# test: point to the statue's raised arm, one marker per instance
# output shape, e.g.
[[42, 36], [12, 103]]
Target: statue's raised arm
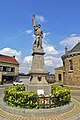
[[34, 21]]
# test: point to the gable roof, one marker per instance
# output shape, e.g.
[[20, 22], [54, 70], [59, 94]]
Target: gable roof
[[8, 59], [76, 48], [74, 51]]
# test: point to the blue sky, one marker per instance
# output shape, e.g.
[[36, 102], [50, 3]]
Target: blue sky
[[60, 22]]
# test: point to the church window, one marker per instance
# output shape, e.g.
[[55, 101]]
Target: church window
[[59, 77], [70, 65]]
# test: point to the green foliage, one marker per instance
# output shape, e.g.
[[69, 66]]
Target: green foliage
[[20, 87], [61, 95], [16, 96]]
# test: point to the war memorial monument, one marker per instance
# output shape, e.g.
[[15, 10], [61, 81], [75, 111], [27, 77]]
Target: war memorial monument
[[38, 71]]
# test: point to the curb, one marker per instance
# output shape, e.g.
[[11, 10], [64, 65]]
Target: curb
[[20, 111]]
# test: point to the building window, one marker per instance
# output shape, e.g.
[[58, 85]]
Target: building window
[[8, 69], [1, 68], [70, 65], [64, 65], [13, 69], [59, 77], [4, 68]]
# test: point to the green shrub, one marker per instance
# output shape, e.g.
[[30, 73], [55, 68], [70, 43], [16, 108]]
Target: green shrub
[[20, 87], [61, 95], [15, 96]]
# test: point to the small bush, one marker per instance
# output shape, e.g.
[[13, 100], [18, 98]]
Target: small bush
[[61, 95], [16, 96]]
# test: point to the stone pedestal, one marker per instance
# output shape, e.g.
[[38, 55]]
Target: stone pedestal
[[38, 73], [36, 87]]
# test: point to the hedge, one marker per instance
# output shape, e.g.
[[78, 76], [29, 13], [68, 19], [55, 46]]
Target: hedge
[[18, 97], [61, 95]]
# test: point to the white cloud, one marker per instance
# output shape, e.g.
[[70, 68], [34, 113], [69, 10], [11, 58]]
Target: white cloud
[[11, 52], [28, 31], [53, 61], [49, 49], [39, 18], [45, 34], [25, 66], [72, 35], [27, 59], [71, 40]]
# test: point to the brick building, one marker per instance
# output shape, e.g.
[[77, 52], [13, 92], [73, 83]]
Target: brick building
[[9, 69], [71, 66]]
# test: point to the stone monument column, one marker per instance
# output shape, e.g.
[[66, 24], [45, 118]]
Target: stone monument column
[[38, 72]]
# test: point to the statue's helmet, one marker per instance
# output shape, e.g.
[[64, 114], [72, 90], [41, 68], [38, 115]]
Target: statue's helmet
[[34, 15], [39, 25]]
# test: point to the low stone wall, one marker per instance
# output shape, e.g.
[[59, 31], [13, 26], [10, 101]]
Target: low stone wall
[[73, 87], [20, 111], [2, 87]]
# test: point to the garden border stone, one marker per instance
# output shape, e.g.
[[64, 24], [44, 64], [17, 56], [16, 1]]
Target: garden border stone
[[20, 111]]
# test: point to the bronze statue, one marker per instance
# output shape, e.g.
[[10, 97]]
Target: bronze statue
[[38, 34]]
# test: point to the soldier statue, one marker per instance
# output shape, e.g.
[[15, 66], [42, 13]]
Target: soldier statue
[[38, 34]]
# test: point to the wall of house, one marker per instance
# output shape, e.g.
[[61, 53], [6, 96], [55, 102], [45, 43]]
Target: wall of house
[[57, 72], [11, 65], [9, 73], [72, 77]]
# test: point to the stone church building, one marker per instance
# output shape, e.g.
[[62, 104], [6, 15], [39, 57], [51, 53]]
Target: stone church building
[[9, 69], [69, 74]]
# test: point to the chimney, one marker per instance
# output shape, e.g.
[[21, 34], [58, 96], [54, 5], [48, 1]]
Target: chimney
[[66, 50], [14, 57]]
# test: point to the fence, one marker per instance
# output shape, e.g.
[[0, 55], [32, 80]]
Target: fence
[[46, 102]]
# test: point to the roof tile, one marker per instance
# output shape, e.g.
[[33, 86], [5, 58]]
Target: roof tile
[[8, 59]]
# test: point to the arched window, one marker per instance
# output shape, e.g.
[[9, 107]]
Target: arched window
[[63, 65], [70, 65]]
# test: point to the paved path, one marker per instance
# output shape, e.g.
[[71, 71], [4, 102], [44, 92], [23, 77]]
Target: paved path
[[73, 114], [2, 118]]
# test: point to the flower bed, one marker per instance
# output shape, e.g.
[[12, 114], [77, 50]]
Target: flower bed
[[18, 97]]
